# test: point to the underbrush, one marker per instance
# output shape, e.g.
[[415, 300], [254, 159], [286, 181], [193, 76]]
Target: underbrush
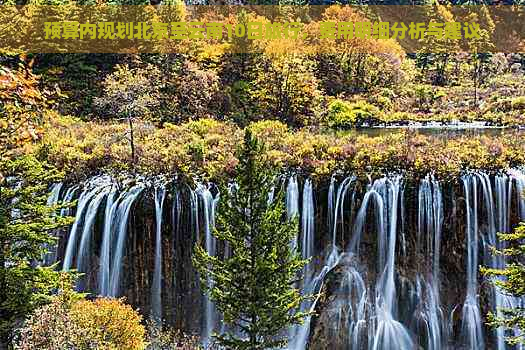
[[206, 149]]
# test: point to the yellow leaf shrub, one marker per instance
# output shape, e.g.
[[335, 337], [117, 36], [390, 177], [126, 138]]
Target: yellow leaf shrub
[[102, 324], [111, 324]]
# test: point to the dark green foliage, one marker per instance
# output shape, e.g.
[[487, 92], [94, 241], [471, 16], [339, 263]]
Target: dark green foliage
[[254, 287], [511, 280], [25, 225]]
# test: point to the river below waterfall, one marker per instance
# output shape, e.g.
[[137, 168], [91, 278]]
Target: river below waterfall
[[396, 257]]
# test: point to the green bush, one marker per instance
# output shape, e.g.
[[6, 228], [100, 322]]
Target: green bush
[[383, 102], [346, 115], [518, 103], [169, 338], [426, 96], [507, 104]]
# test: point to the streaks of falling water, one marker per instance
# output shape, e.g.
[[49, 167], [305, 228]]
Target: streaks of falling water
[[107, 239], [84, 249], [299, 337], [307, 252], [430, 222], [389, 333], [472, 331], [50, 249], [338, 215], [121, 221], [83, 201], [519, 178], [54, 195], [68, 197], [292, 197], [209, 207], [498, 204], [370, 322], [156, 289], [292, 202], [307, 229], [176, 224]]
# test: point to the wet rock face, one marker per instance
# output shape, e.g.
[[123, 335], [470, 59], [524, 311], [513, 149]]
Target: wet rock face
[[322, 333]]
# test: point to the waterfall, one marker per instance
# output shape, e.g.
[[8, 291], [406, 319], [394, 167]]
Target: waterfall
[[430, 222], [156, 289], [307, 229], [330, 201], [292, 197], [176, 224], [499, 203], [121, 221], [389, 333], [107, 239], [72, 243], [209, 206], [338, 209], [84, 249], [472, 329], [292, 203], [68, 197], [307, 252], [388, 261], [50, 249], [519, 178]]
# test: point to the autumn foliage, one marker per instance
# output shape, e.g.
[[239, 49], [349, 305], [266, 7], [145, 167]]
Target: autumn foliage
[[22, 109], [102, 324]]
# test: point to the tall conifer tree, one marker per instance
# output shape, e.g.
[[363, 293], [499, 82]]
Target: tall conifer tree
[[253, 287]]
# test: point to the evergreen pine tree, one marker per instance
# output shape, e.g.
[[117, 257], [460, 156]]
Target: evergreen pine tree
[[253, 287], [25, 225], [510, 280], [25, 219]]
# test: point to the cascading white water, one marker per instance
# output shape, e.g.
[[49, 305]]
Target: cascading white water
[[308, 229], [389, 333], [498, 208], [337, 214], [298, 336], [85, 198], [519, 178], [292, 202], [54, 197], [84, 249], [68, 197], [209, 206], [121, 222], [292, 197], [156, 288], [107, 239], [367, 308], [430, 222], [472, 329], [307, 252]]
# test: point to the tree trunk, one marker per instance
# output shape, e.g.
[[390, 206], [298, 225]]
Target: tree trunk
[[476, 72], [3, 283], [3, 295], [132, 142]]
